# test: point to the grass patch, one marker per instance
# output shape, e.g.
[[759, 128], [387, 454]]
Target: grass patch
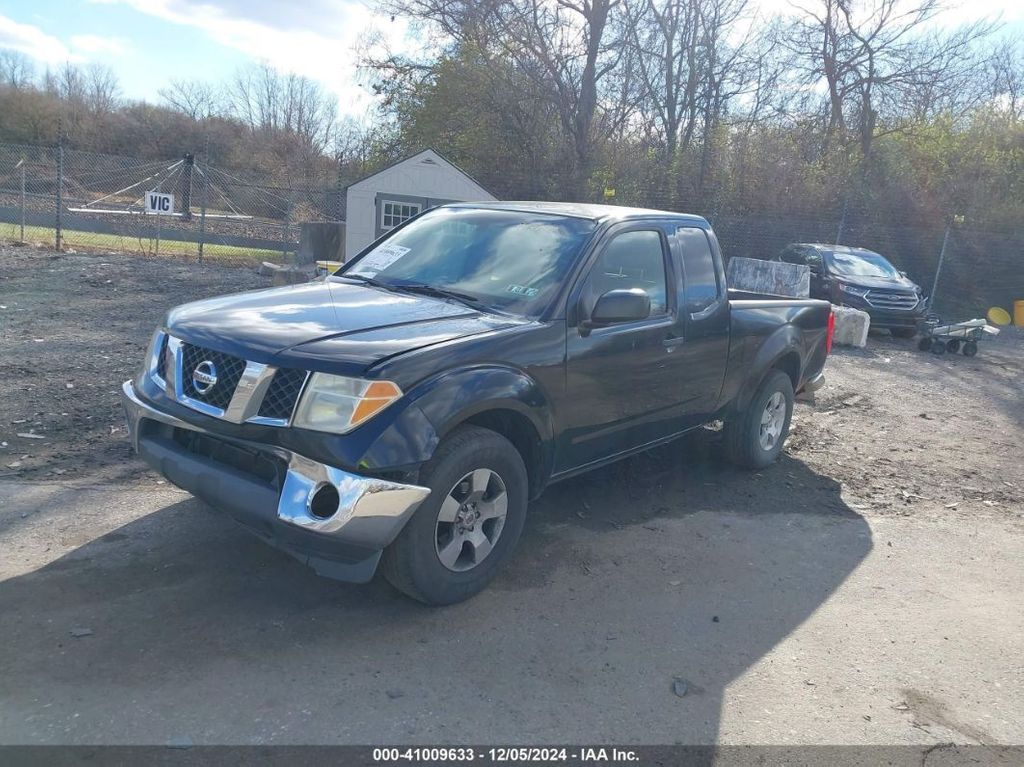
[[126, 244]]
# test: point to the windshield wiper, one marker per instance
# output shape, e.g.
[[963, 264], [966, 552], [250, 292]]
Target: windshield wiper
[[364, 278], [432, 290]]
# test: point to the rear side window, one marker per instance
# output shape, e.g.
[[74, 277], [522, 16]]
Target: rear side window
[[702, 287]]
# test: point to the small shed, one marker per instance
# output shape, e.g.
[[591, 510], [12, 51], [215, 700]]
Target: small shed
[[380, 202]]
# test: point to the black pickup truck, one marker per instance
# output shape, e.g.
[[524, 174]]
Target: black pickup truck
[[404, 410]]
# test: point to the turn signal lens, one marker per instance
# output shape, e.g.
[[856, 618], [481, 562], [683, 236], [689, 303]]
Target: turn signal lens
[[378, 396]]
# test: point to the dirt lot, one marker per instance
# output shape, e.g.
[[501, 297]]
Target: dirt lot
[[72, 329], [866, 589]]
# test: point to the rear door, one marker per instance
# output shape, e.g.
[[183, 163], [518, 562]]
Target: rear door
[[705, 310]]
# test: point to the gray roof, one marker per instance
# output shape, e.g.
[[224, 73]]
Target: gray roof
[[583, 210]]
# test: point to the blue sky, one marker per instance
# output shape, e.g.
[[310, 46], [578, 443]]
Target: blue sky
[[150, 42]]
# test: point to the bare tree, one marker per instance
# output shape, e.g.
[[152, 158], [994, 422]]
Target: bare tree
[[267, 100], [16, 70], [102, 89], [1005, 75], [567, 47], [197, 99], [871, 54]]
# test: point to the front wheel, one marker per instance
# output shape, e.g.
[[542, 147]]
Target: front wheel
[[458, 538], [754, 438]]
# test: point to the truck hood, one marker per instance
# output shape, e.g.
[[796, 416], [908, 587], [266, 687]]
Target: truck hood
[[326, 325]]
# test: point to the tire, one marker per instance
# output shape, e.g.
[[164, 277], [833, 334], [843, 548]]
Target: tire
[[743, 432], [925, 344], [904, 332], [970, 348], [413, 562], [953, 346], [938, 347]]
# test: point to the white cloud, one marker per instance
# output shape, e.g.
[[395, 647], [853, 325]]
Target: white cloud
[[33, 42], [97, 44], [315, 39]]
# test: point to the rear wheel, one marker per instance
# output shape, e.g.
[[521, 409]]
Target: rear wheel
[[953, 346], [938, 347], [754, 438], [457, 539]]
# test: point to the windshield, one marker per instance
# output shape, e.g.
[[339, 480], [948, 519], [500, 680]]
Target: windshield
[[864, 264], [511, 261]]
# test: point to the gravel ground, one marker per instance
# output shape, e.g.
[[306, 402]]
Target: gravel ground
[[865, 589]]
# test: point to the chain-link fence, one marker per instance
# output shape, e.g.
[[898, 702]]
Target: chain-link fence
[[82, 200]]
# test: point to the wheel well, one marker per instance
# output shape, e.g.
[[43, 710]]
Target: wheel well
[[520, 431], [789, 364]]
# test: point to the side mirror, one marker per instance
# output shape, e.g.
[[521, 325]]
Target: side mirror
[[620, 305]]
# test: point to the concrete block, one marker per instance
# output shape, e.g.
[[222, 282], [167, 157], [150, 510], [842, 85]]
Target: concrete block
[[852, 326], [770, 278], [291, 275]]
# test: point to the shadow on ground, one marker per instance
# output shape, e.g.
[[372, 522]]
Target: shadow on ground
[[636, 596]]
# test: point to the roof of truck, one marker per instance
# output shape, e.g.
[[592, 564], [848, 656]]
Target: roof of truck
[[583, 210]]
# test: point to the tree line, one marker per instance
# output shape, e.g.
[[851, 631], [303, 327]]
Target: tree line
[[875, 107], [708, 106]]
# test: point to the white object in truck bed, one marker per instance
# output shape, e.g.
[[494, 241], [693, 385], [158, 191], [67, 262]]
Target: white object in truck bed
[[772, 278]]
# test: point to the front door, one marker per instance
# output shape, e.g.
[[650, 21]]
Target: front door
[[622, 381]]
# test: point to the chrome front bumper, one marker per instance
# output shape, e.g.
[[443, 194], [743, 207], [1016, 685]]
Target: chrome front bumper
[[368, 514]]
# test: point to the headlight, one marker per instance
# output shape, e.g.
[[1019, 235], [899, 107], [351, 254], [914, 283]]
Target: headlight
[[859, 292], [338, 404]]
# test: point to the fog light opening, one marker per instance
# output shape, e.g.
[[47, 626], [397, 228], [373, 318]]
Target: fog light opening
[[324, 503]]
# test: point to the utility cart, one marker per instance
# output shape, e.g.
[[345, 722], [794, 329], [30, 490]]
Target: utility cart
[[939, 338]]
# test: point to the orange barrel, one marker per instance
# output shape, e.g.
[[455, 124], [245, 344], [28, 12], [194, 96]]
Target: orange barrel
[[1018, 313]]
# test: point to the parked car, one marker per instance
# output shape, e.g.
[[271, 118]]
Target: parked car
[[864, 280], [404, 410]]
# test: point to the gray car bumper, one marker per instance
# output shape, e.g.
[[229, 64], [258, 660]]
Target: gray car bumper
[[335, 521]]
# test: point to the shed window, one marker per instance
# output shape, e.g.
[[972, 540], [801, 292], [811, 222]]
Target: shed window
[[394, 213]]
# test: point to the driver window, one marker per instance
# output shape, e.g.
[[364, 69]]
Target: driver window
[[630, 260]]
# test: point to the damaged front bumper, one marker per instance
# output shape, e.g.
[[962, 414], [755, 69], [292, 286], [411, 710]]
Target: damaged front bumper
[[333, 520]]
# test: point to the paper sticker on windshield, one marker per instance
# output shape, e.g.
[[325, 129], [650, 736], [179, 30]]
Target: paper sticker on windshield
[[381, 258], [522, 290]]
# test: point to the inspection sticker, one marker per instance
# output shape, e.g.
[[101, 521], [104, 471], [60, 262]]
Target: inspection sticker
[[522, 290], [381, 258]]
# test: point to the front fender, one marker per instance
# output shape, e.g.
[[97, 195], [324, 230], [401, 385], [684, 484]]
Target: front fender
[[438, 405]]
